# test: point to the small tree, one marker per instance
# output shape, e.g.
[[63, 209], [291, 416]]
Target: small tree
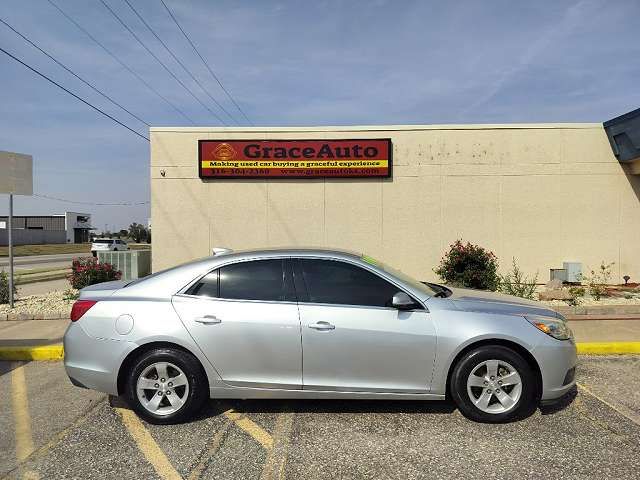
[[470, 266], [517, 283], [4, 287], [138, 232]]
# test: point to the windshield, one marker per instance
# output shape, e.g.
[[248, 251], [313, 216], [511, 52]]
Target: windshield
[[428, 288]]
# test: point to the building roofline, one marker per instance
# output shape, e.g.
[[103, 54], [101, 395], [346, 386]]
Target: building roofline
[[378, 128], [622, 118]]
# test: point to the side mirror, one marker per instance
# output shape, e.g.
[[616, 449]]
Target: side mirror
[[402, 301]]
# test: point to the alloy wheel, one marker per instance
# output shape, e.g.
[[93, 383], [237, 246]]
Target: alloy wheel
[[162, 388], [494, 386]]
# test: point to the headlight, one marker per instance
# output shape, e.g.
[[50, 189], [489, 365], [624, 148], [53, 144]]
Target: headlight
[[551, 326]]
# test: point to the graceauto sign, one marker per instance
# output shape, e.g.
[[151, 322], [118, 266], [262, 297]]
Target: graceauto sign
[[294, 158]]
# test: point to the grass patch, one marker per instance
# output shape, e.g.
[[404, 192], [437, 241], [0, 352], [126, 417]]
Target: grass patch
[[57, 248]]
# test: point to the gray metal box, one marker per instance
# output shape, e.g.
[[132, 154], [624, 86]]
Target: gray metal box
[[132, 263], [574, 271], [558, 274]]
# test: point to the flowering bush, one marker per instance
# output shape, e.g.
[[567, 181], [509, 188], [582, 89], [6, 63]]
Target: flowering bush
[[88, 271], [468, 265]]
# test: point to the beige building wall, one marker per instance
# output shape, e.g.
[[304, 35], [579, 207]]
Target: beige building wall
[[542, 193]]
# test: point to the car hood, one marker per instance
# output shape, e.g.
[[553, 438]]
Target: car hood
[[492, 302]]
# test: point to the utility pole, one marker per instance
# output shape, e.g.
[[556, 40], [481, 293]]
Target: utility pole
[[10, 238]]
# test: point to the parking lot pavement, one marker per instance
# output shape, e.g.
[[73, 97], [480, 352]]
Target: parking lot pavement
[[51, 429]]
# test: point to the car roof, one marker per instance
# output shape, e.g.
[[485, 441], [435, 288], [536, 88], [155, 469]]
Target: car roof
[[290, 252], [166, 281]]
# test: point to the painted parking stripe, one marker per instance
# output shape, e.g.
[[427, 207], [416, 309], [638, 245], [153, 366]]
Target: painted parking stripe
[[256, 431], [147, 445], [22, 419], [277, 458], [211, 450], [625, 412]]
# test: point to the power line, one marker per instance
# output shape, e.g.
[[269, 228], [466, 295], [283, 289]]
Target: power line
[[180, 62], [72, 94], [123, 204], [160, 62], [206, 64], [124, 65], [73, 73]]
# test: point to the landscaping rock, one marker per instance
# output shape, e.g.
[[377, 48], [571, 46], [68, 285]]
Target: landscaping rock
[[555, 295], [555, 284]]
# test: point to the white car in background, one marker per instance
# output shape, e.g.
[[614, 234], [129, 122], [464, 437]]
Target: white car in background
[[107, 245]]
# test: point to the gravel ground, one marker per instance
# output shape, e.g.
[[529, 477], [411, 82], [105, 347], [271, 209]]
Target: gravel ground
[[51, 302]]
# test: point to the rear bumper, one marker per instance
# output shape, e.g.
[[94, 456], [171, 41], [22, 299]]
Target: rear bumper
[[557, 360], [93, 362]]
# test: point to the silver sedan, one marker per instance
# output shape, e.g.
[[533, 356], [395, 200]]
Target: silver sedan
[[310, 323]]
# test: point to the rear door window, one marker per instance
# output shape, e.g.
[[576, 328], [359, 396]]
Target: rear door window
[[267, 280]]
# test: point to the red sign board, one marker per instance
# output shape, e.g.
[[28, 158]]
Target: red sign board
[[294, 158]]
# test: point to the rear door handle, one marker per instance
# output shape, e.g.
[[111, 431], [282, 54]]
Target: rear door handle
[[208, 320], [322, 326]]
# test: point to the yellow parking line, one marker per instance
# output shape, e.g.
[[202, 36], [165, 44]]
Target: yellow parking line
[[147, 445], [276, 459], [212, 448], [22, 419], [252, 428], [621, 409]]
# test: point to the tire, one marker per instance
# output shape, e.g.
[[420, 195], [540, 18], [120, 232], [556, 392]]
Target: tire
[[173, 399], [483, 379]]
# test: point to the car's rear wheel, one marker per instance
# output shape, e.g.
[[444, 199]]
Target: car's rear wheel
[[166, 385], [493, 384]]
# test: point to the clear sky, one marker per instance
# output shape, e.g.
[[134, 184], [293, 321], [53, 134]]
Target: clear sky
[[297, 63]]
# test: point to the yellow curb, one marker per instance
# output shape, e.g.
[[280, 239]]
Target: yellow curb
[[608, 348], [45, 352]]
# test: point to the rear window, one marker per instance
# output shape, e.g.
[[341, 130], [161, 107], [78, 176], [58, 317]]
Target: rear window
[[103, 241]]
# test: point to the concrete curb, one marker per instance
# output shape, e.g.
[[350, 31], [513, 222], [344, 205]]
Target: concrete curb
[[56, 352], [567, 311], [26, 279], [608, 348], [17, 317]]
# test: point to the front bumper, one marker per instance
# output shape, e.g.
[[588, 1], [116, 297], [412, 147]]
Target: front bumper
[[93, 362], [557, 360]]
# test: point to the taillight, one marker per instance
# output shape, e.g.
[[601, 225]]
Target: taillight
[[80, 307]]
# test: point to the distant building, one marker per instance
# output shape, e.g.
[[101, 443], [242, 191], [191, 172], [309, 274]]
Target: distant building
[[69, 227]]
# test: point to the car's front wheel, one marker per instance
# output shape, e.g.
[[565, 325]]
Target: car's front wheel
[[166, 385], [493, 384]]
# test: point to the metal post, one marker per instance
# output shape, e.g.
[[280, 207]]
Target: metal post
[[10, 250]]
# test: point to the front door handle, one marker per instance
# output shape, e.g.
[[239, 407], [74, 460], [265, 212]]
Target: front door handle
[[208, 320], [322, 326]]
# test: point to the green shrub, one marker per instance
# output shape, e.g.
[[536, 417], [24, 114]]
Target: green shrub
[[88, 271], [468, 265], [517, 283], [598, 279], [576, 295], [70, 294], [4, 287]]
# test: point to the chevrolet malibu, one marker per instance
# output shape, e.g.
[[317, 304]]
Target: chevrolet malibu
[[310, 323]]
